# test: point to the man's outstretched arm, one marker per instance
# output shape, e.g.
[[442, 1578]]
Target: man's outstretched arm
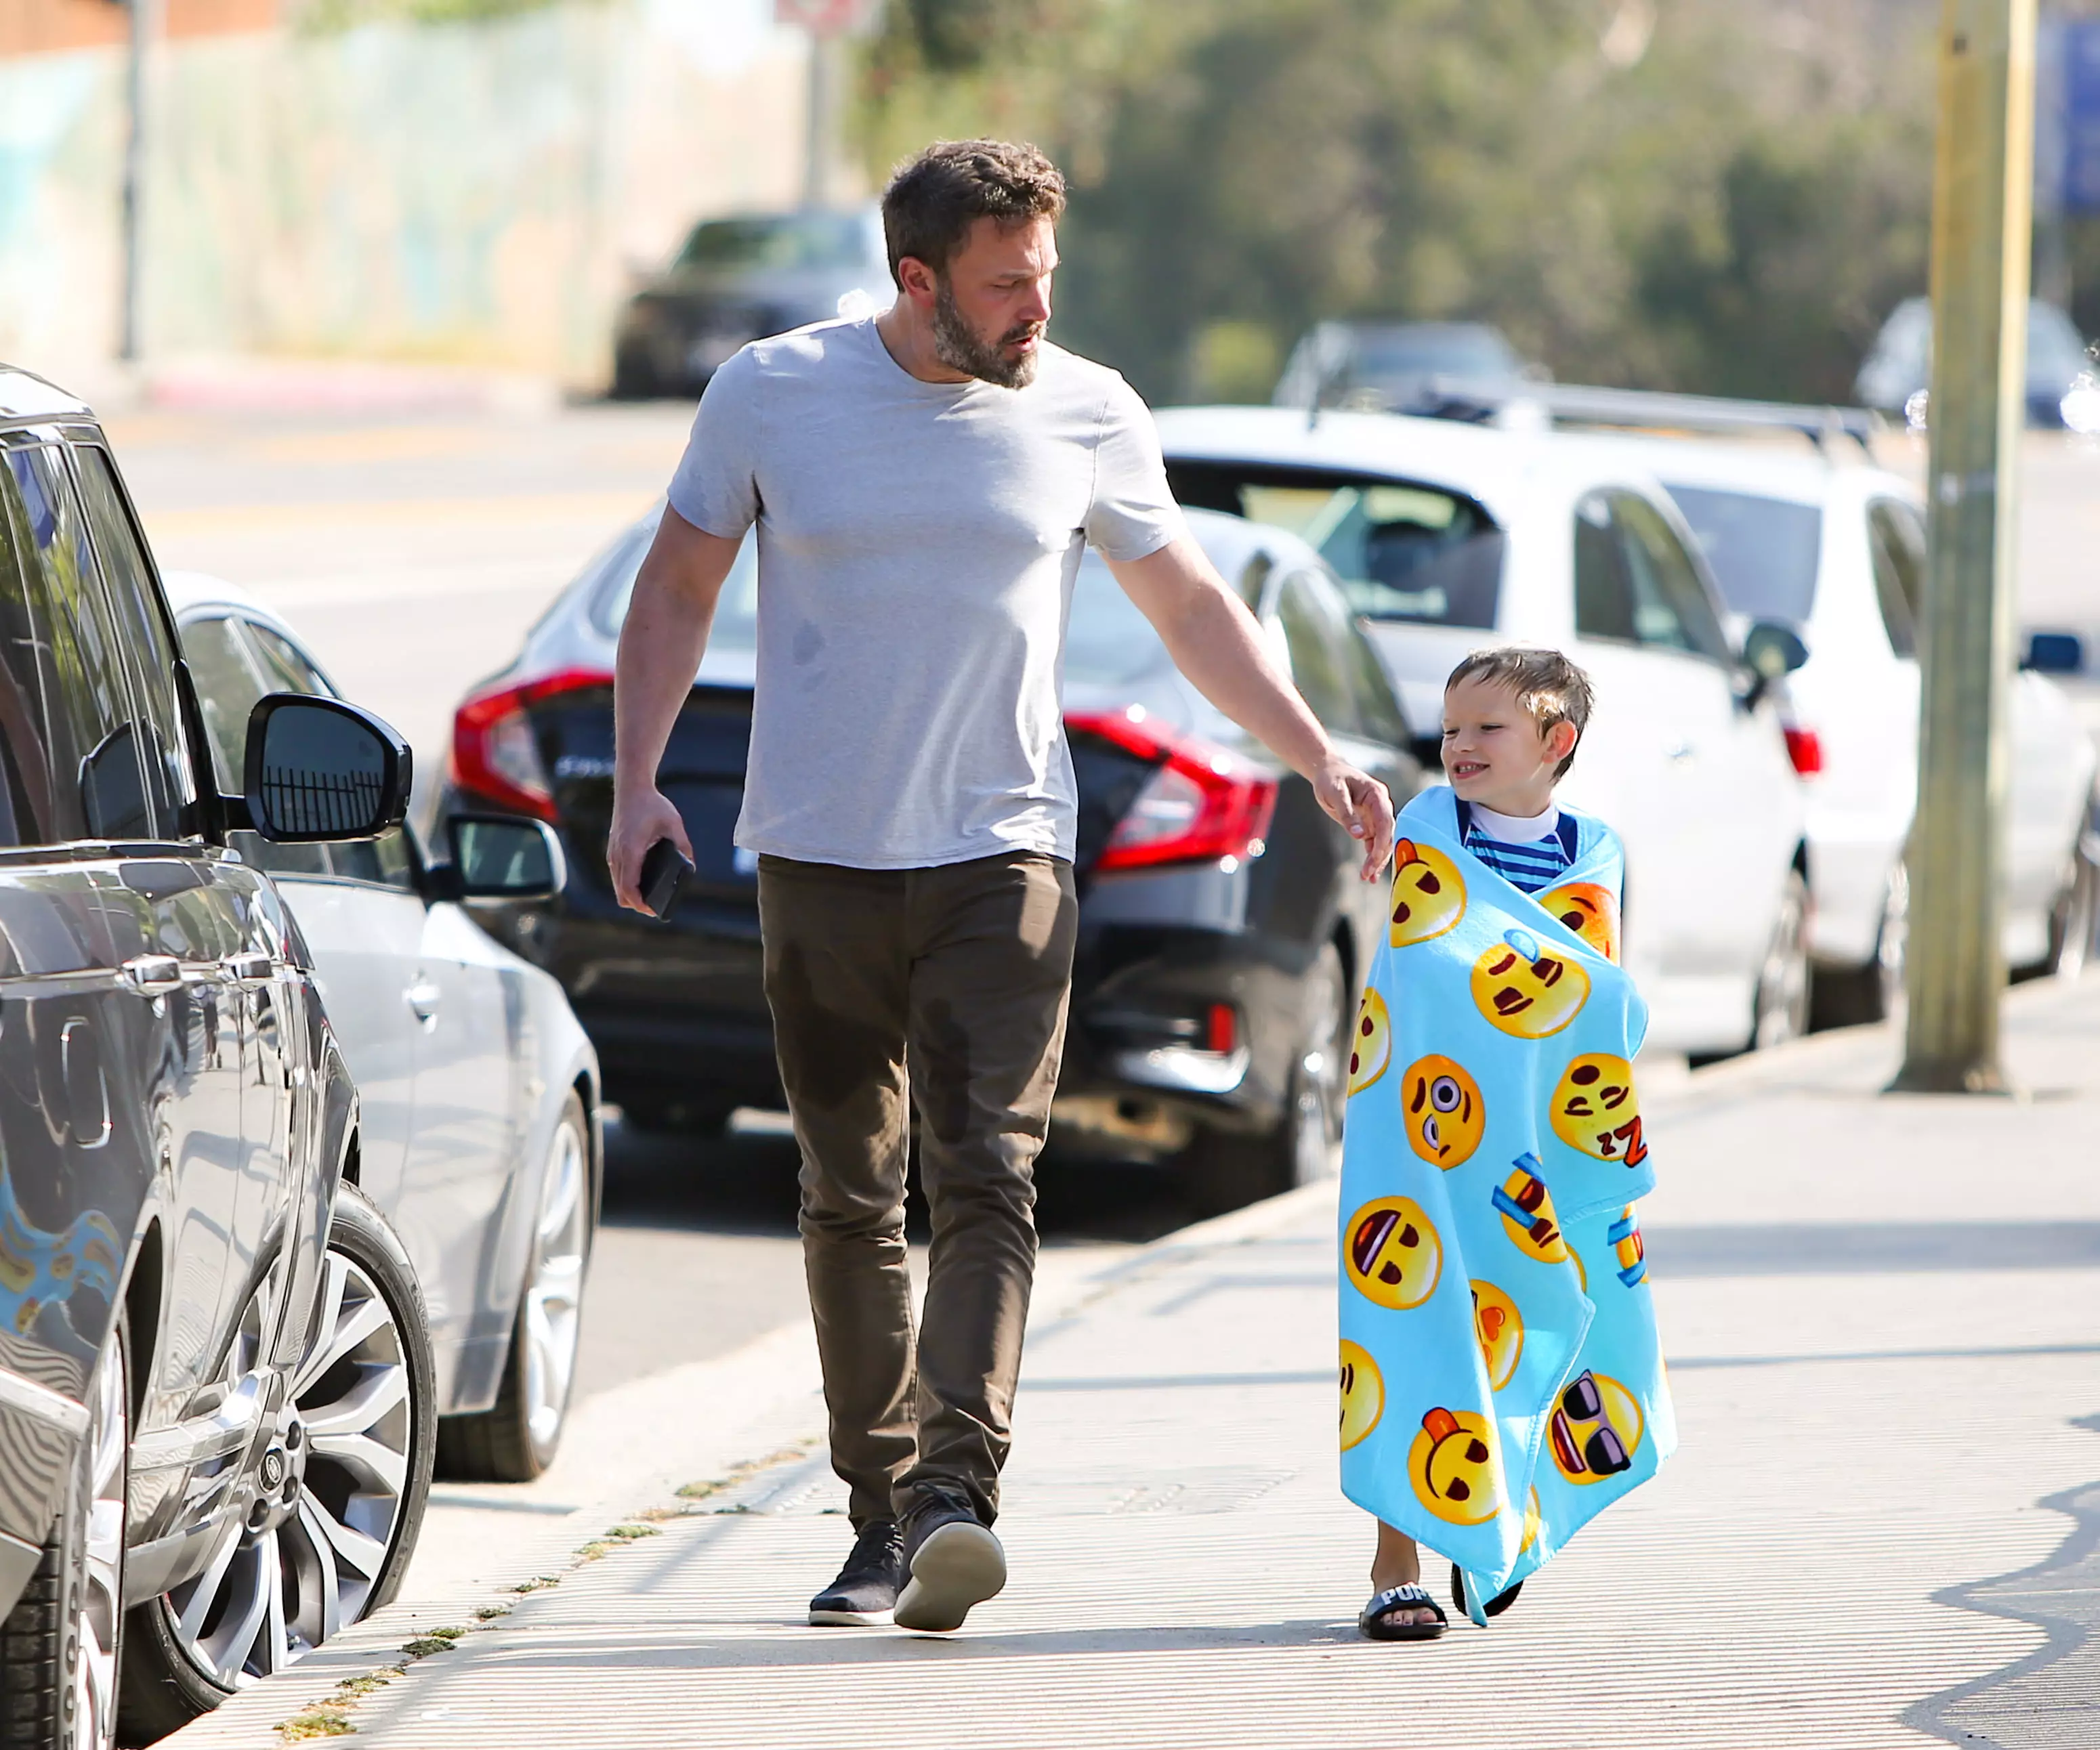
[[660, 647], [1218, 644]]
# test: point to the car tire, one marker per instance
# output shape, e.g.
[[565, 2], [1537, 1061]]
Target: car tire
[[61, 1645], [634, 377], [1224, 1169], [1858, 996], [365, 1392], [1780, 1008], [515, 1440]]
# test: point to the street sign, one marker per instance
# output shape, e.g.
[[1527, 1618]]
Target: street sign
[[824, 18], [2081, 114]]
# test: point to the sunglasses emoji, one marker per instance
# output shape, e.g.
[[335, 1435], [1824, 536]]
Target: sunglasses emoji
[[1594, 1430]]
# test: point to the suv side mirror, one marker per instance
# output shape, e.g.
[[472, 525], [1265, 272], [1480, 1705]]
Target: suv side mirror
[[1772, 650], [2054, 653], [500, 857], [319, 770]]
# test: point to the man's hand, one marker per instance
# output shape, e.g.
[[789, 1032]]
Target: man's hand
[[639, 819], [1362, 803]]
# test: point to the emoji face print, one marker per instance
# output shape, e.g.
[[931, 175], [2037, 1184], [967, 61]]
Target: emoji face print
[[1626, 1237], [1498, 1327], [1594, 1108], [1525, 990], [1591, 911], [1594, 1430], [1363, 1395], [1526, 1212], [1452, 1466], [1392, 1254], [1371, 1049], [1428, 895], [1444, 1116]]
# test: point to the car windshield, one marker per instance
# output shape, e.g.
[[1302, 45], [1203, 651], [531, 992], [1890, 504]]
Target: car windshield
[[1383, 354], [1765, 552], [786, 240], [1107, 641], [610, 583], [1403, 551]]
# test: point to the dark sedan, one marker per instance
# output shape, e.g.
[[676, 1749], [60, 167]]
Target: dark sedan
[[739, 280], [1223, 931]]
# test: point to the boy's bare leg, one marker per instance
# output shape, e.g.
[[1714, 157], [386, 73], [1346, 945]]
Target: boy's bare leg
[[1398, 1563]]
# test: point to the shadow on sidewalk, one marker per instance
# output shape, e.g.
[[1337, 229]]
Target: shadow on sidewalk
[[2049, 1699]]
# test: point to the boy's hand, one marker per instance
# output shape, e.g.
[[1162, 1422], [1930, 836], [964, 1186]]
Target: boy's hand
[[1361, 803]]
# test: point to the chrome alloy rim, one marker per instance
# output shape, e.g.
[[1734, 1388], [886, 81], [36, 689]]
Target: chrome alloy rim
[[554, 1297], [1322, 1081], [1782, 995], [95, 1669], [303, 1563]]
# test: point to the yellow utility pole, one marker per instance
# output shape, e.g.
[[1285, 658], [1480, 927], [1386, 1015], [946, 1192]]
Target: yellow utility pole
[[1982, 231]]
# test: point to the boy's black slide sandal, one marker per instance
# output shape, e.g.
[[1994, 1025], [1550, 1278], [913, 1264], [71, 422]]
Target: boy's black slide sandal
[[1494, 1607], [1374, 1627]]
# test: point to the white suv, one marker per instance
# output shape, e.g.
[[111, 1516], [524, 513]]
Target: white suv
[[1839, 552], [1448, 536]]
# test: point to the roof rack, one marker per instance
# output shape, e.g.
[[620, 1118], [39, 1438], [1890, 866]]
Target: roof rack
[[1575, 404]]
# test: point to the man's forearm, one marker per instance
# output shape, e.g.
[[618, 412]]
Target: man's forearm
[[661, 643]]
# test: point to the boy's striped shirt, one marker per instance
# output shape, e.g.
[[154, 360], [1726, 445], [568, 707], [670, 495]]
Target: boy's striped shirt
[[1529, 868]]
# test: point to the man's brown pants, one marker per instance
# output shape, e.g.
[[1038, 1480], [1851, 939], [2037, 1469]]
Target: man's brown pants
[[961, 973]]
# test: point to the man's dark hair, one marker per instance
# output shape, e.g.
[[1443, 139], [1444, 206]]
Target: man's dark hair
[[1549, 688], [933, 198]]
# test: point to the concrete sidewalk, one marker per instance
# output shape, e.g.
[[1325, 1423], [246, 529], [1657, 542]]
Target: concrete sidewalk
[[1884, 1321]]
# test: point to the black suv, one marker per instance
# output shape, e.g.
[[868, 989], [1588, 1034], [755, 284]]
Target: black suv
[[210, 1348]]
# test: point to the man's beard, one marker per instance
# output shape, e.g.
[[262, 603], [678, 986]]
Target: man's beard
[[956, 345]]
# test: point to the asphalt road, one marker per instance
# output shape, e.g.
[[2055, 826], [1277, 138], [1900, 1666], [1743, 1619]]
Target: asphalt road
[[412, 552]]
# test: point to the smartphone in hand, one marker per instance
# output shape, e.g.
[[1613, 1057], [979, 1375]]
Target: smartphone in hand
[[663, 872]]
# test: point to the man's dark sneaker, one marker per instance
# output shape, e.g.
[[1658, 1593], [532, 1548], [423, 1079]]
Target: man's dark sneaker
[[864, 1592], [954, 1560]]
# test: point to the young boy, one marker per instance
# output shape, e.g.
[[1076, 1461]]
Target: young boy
[[1512, 719]]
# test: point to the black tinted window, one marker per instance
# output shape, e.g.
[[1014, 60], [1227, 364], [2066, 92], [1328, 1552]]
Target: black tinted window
[[1635, 582], [1378, 707], [73, 745], [1315, 633], [1899, 554], [134, 599], [1401, 551], [1765, 552]]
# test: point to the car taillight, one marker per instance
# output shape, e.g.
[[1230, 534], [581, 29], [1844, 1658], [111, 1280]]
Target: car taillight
[[1805, 748], [1202, 804], [495, 754]]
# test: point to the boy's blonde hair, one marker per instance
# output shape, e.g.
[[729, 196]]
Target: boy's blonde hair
[[1549, 688]]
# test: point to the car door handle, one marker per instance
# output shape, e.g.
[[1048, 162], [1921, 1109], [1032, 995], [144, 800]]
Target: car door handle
[[423, 996], [249, 971], [154, 975]]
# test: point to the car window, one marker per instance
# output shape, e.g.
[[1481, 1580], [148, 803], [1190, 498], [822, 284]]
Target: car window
[[230, 679], [609, 585], [775, 243], [289, 668], [1634, 582], [135, 599], [1897, 539], [1377, 707], [94, 739], [1315, 635], [1107, 640], [1765, 552], [1401, 551]]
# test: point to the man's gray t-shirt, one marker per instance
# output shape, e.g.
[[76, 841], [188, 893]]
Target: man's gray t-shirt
[[917, 544]]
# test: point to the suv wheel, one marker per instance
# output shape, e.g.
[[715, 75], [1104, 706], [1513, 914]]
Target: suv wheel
[[1780, 1009], [2074, 917], [1227, 1169], [1854, 996], [335, 1504], [515, 1441], [59, 1646]]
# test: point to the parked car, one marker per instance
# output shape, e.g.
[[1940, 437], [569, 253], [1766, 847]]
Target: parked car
[[1899, 365], [215, 1377], [1447, 537], [1401, 367], [480, 1133], [740, 279], [1223, 931], [1839, 553]]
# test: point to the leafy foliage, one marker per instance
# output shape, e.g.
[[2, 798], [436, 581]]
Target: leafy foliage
[[1690, 194]]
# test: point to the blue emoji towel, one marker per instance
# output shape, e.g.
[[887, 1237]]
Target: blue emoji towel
[[1501, 1379]]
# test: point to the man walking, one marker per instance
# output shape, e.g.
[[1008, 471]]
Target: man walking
[[924, 483]]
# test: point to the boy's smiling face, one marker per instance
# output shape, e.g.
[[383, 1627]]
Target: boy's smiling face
[[1495, 754]]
